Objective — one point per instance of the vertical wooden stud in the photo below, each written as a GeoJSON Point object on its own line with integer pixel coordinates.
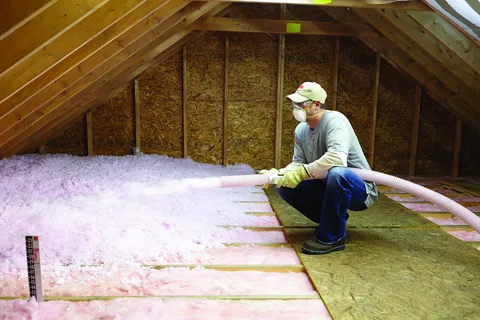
{"type": "Point", "coordinates": [416, 122]}
{"type": "Point", "coordinates": [41, 149]}
{"type": "Point", "coordinates": [136, 93]}
{"type": "Point", "coordinates": [280, 73]}
{"type": "Point", "coordinates": [335, 73]}
{"type": "Point", "coordinates": [225, 99]}
{"type": "Point", "coordinates": [374, 109]}
{"type": "Point", "coordinates": [457, 148]}
{"type": "Point", "coordinates": [88, 121]}
{"type": "Point", "coordinates": [185, 114]}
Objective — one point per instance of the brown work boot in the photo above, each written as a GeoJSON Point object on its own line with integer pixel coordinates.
{"type": "Point", "coordinates": [317, 247]}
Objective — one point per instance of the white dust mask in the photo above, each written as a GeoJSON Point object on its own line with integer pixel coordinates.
{"type": "Point", "coordinates": [300, 114]}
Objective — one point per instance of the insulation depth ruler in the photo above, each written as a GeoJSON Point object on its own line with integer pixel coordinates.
{"type": "Point", "coordinates": [33, 268]}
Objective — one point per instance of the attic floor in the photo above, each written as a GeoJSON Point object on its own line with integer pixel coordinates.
{"type": "Point", "coordinates": [397, 263]}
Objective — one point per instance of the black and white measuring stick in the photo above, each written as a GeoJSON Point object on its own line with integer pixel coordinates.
{"type": "Point", "coordinates": [33, 268]}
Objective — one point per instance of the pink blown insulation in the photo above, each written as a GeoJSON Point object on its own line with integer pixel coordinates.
{"type": "Point", "coordinates": [100, 219]}
{"type": "Point", "coordinates": [449, 205]}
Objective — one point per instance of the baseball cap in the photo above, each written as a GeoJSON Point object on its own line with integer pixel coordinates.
{"type": "Point", "coordinates": [309, 91]}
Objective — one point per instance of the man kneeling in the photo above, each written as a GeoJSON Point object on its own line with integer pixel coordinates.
{"type": "Point", "coordinates": [325, 143]}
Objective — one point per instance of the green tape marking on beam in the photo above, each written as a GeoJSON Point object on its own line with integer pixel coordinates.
{"type": "Point", "coordinates": [322, 1]}
{"type": "Point", "coordinates": [293, 27]}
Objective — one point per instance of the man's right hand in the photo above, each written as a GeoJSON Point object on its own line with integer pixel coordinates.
{"type": "Point", "coordinates": [272, 171]}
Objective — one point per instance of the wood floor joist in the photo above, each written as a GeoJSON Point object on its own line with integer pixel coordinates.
{"type": "Point", "coordinates": [218, 297]}
{"type": "Point", "coordinates": [246, 267]}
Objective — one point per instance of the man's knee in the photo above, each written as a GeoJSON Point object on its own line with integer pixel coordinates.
{"type": "Point", "coordinates": [336, 174]}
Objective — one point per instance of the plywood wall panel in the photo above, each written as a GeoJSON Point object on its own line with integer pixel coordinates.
{"type": "Point", "coordinates": [71, 141]}
{"type": "Point", "coordinates": [356, 80]}
{"type": "Point", "coordinates": [205, 69]}
{"type": "Point", "coordinates": [396, 106]}
{"type": "Point", "coordinates": [252, 99]}
{"type": "Point", "coordinates": [113, 125]}
{"type": "Point", "coordinates": [161, 108]}
{"type": "Point", "coordinates": [436, 139]}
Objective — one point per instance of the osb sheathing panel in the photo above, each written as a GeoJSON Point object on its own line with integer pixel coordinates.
{"type": "Point", "coordinates": [205, 67]}
{"type": "Point", "coordinates": [356, 79]}
{"type": "Point", "coordinates": [161, 108]}
{"type": "Point", "coordinates": [306, 13]}
{"type": "Point", "coordinates": [257, 11]}
{"type": "Point", "coordinates": [71, 141]}
{"type": "Point", "coordinates": [252, 89]}
{"type": "Point", "coordinates": [395, 273]}
{"type": "Point", "coordinates": [395, 112]}
{"type": "Point", "coordinates": [436, 139]}
{"type": "Point", "coordinates": [307, 58]}
{"type": "Point", "coordinates": [470, 154]}
{"type": "Point", "coordinates": [113, 125]}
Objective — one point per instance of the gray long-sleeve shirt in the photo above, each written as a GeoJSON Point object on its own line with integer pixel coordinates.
{"type": "Point", "coordinates": [334, 133]}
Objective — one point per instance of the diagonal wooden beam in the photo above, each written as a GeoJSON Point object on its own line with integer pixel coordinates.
{"type": "Point", "coordinates": [117, 35]}
{"type": "Point", "coordinates": [132, 66]}
{"type": "Point", "coordinates": [113, 87]}
{"type": "Point", "coordinates": [76, 79]}
{"type": "Point", "coordinates": [446, 33]}
{"type": "Point", "coordinates": [406, 64]}
{"type": "Point", "coordinates": [283, 26]}
{"type": "Point", "coordinates": [403, 5]}
{"type": "Point", "coordinates": [108, 91]}
{"type": "Point", "coordinates": [435, 48]}
{"type": "Point", "coordinates": [63, 44]}
{"type": "Point", "coordinates": [93, 53]}
{"type": "Point", "coordinates": [400, 38]}
{"type": "Point", "coordinates": [45, 25]}
{"type": "Point", "coordinates": [16, 12]}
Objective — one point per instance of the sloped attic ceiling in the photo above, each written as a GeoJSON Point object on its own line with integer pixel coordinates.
{"type": "Point", "coordinates": [465, 14]}
{"type": "Point", "coordinates": [63, 57]}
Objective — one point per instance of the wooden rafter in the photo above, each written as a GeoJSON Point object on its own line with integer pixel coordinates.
{"type": "Point", "coordinates": [407, 5]}
{"type": "Point", "coordinates": [118, 76]}
{"type": "Point", "coordinates": [63, 44]}
{"type": "Point", "coordinates": [16, 12]}
{"type": "Point", "coordinates": [405, 63]}
{"type": "Point", "coordinates": [25, 39]}
{"type": "Point", "coordinates": [92, 53]}
{"type": "Point", "coordinates": [283, 27]}
{"type": "Point", "coordinates": [450, 36]}
{"type": "Point", "coordinates": [403, 41]}
{"type": "Point", "coordinates": [90, 69]}
{"type": "Point", "coordinates": [435, 48]}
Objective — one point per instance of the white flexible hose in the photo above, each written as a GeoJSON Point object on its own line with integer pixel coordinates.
{"type": "Point", "coordinates": [380, 178]}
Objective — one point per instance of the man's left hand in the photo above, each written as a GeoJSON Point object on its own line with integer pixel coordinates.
{"type": "Point", "coordinates": [292, 178]}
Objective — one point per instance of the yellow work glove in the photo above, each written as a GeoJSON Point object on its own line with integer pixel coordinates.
{"type": "Point", "coordinates": [292, 178]}
{"type": "Point", "coordinates": [272, 171]}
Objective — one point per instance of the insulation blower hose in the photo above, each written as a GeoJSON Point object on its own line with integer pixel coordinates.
{"type": "Point", "coordinates": [380, 178]}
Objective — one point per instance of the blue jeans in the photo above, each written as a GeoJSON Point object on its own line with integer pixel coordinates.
{"type": "Point", "coordinates": [326, 201]}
